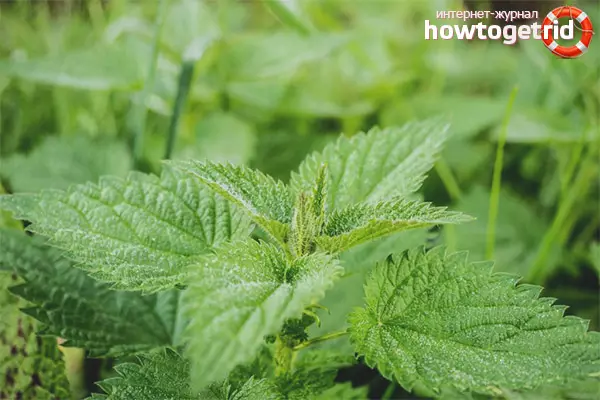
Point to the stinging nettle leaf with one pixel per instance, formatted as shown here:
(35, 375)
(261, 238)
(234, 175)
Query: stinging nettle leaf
(164, 374)
(31, 367)
(436, 320)
(267, 201)
(139, 233)
(374, 166)
(365, 222)
(85, 312)
(242, 294)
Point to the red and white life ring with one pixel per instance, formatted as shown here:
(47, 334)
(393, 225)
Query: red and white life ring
(586, 26)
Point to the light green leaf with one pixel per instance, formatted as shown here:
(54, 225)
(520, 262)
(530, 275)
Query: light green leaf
(276, 55)
(266, 201)
(434, 319)
(365, 222)
(99, 68)
(83, 311)
(245, 292)
(378, 165)
(219, 137)
(139, 233)
(75, 159)
(468, 115)
(540, 126)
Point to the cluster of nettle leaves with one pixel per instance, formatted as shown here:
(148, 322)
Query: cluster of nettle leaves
(172, 262)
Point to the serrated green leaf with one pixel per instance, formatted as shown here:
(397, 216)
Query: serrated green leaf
(374, 166)
(364, 222)
(31, 367)
(75, 159)
(164, 374)
(83, 311)
(267, 202)
(242, 294)
(346, 295)
(138, 233)
(434, 319)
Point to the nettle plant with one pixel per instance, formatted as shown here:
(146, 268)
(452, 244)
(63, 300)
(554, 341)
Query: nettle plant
(212, 274)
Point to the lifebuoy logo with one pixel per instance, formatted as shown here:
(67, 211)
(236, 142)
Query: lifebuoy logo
(548, 31)
(550, 25)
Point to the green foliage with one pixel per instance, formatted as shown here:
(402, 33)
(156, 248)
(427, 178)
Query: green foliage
(236, 313)
(85, 312)
(244, 293)
(374, 166)
(433, 320)
(31, 367)
(519, 231)
(220, 137)
(138, 233)
(76, 159)
(102, 68)
(164, 374)
(264, 84)
(365, 222)
(267, 201)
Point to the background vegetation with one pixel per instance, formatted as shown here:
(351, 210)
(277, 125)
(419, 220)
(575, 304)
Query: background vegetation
(102, 87)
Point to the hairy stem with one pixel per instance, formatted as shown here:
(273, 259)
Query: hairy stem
(497, 179)
(319, 339)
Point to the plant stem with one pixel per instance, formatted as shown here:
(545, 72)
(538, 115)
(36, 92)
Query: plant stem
(140, 111)
(284, 356)
(389, 391)
(497, 178)
(185, 78)
(578, 189)
(448, 179)
(285, 11)
(319, 339)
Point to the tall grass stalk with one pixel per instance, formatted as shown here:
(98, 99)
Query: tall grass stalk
(185, 78)
(140, 111)
(497, 178)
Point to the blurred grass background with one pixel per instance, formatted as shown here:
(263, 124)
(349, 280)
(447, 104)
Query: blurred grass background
(89, 88)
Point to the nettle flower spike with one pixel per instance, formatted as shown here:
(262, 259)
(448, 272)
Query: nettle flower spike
(309, 216)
